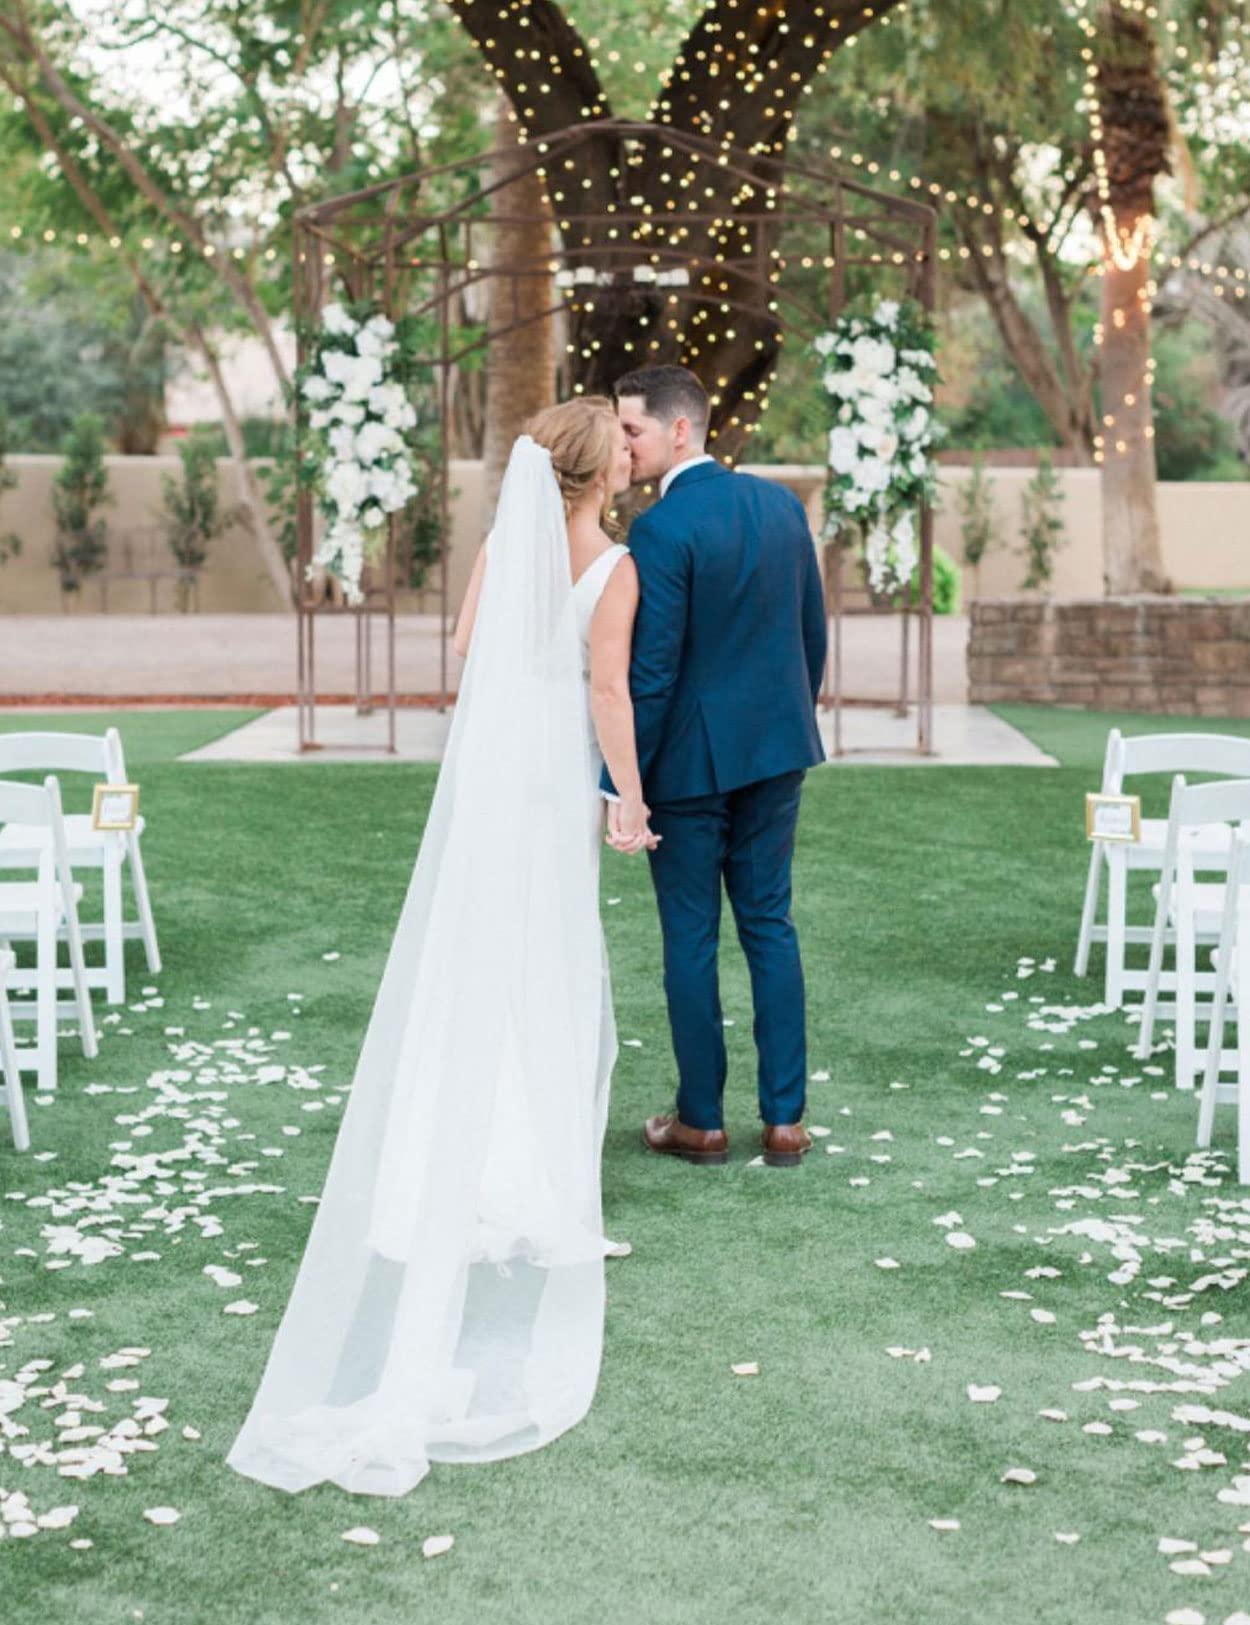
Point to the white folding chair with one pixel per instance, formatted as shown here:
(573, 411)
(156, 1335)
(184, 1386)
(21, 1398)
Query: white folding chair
(1220, 754)
(1190, 912)
(39, 911)
(110, 851)
(1232, 979)
(8, 1060)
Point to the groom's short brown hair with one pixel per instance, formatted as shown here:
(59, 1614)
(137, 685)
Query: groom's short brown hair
(668, 393)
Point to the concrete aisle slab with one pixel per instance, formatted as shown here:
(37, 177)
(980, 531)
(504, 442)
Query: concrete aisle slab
(964, 735)
(420, 735)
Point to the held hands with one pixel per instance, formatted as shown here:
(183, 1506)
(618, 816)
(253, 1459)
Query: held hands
(628, 830)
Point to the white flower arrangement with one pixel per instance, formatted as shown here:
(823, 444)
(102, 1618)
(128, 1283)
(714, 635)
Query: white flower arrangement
(583, 275)
(879, 373)
(358, 418)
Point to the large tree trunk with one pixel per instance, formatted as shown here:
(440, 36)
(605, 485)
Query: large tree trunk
(1135, 121)
(761, 59)
(520, 364)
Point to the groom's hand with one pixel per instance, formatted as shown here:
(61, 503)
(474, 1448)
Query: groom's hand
(628, 830)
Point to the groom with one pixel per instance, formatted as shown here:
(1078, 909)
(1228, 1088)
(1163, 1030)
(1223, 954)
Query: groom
(728, 656)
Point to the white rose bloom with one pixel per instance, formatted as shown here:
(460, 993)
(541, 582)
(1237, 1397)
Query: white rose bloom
(843, 450)
(906, 554)
(887, 446)
(371, 518)
(872, 475)
(370, 343)
(403, 416)
(374, 440)
(380, 325)
(366, 372)
(887, 312)
(342, 440)
(823, 343)
(915, 426)
(339, 366)
(835, 382)
(384, 398)
(348, 412)
(847, 413)
(336, 320)
(318, 420)
(874, 356)
(345, 486)
(319, 389)
(875, 411)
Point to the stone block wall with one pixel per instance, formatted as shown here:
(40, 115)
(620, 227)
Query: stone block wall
(1187, 656)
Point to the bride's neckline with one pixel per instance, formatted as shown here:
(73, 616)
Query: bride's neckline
(603, 551)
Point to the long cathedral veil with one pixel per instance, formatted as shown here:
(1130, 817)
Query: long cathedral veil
(449, 1305)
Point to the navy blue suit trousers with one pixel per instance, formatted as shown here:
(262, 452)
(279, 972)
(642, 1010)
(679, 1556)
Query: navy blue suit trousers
(745, 839)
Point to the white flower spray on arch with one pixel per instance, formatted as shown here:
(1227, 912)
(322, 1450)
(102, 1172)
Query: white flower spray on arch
(357, 455)
(879, 372)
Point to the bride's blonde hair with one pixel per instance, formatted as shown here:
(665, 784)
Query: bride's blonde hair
(581, 436)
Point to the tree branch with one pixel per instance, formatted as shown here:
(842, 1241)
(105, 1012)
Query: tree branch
(757, 59)
(32, 48)
(540, 60)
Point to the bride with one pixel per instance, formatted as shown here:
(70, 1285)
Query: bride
(449, 1306)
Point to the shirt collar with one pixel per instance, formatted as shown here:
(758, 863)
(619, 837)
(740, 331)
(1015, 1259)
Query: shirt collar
(691, 462)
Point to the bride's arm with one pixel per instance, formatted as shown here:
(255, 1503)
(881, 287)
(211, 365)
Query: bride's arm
(468, 610)
(611, 640)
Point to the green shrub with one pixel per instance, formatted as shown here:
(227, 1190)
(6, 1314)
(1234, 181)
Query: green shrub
(946, 583)
(10, 545)
(80, 487)
(193, 515)
(1043, 530)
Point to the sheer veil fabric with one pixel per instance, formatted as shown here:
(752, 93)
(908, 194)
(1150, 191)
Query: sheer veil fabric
(449, 1306)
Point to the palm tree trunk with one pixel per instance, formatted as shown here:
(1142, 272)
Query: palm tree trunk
(1136, 125)
(520, 363)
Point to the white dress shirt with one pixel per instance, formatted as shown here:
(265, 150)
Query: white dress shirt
(680, 468)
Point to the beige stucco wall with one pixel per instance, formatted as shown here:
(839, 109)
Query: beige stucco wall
(1206, 534)
(1205, 530)
(233, 578)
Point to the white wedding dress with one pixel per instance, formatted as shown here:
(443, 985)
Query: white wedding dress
(449, 1305)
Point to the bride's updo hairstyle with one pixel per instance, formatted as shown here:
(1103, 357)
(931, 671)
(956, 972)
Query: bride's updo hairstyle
(581, 436)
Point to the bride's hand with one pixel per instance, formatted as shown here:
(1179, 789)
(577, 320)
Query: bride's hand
(628, 829)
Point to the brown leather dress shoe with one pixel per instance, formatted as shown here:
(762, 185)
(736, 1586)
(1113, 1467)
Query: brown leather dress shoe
(670, 1137)
(785, 1144)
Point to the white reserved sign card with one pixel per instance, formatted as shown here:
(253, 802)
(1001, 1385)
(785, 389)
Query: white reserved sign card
(115, 806)
(1112, 818)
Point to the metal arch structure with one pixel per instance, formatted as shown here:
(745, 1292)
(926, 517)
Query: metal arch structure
(415, 245)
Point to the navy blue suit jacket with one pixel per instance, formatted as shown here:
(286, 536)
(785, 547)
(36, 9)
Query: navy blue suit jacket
(729, 644)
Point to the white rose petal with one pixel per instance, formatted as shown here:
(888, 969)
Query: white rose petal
(1019, 1475)
(749, 1368)
(437, 1545)
(162, 1515)
(983, 1396)
(362, 1536)
(241, 1306)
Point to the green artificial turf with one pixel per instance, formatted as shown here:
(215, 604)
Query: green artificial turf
(689, 1495)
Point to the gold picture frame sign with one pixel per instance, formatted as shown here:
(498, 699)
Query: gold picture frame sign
(1113, 818)
(115, 806)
